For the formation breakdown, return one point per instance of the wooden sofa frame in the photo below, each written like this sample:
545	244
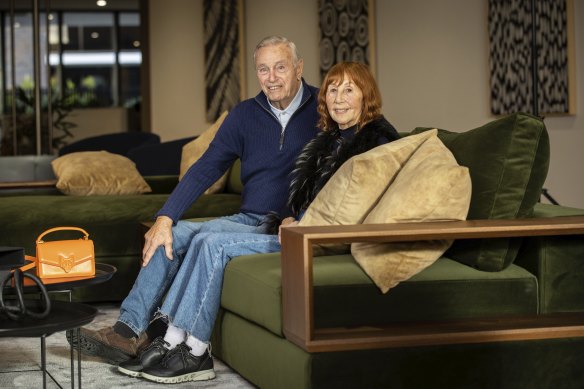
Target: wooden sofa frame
297	287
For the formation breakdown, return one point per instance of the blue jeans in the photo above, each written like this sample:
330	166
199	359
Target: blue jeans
192	281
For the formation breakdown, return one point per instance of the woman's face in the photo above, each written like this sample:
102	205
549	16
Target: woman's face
344	102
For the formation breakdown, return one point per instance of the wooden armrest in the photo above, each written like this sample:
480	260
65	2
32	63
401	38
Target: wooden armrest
297	286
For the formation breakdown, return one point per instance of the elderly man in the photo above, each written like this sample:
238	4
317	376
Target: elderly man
181	279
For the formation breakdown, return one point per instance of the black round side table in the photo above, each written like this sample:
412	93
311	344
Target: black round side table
64	316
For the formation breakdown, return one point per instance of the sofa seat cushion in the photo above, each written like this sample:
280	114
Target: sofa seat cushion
111	221
345	296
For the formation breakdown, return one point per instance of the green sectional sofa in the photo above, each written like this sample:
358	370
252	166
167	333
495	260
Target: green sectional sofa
491	313
463	322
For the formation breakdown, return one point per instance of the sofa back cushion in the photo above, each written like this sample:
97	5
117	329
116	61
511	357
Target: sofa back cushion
508	160
160	159
92	173
26	168
192	151
116	143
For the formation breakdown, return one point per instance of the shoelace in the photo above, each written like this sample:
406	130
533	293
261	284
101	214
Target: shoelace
159	341
181	349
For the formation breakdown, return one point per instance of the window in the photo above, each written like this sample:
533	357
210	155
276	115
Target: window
95	57
129	58
94	60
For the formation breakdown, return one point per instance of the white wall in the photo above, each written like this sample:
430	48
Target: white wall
567	133
177	68
296	20
432	69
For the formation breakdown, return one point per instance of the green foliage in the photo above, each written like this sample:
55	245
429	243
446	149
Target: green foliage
25	123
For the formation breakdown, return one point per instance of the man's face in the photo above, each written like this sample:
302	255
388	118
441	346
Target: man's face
277	75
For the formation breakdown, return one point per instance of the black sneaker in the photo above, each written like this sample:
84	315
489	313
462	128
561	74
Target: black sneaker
179	365
150	356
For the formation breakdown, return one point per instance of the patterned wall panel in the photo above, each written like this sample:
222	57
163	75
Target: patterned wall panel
223	53
510	37
345	32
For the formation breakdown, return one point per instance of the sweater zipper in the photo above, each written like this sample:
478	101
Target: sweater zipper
269	111
291	117
282	137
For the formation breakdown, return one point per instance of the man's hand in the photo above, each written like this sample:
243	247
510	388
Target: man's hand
289	221
160	234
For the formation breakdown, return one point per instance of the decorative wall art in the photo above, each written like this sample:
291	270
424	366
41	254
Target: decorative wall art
346	33
510	37
224	59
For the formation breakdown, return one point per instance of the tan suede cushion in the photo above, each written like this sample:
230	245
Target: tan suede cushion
430	187
356	187
192	151
89	173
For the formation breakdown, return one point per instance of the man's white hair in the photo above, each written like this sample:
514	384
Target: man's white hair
276	40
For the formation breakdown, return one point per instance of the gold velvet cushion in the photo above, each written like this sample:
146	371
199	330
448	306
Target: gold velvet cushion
89	173
430	187
355	188
192	151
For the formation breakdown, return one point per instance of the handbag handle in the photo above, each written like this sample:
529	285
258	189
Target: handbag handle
39	239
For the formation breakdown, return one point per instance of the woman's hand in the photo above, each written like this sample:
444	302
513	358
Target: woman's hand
289	221
160	234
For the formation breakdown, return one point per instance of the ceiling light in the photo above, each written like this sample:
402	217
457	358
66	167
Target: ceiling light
136	43
101	3
95	35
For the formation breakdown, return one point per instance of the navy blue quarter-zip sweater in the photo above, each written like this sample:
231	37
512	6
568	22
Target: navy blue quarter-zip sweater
253	134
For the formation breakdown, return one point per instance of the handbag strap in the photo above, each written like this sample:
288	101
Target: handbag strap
39	239
31	263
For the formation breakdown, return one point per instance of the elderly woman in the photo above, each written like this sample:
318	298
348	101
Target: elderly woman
349	105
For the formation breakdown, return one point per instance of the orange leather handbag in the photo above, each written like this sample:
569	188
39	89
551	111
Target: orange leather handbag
64	258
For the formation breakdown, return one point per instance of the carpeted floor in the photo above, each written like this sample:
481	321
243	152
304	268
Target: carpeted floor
18	356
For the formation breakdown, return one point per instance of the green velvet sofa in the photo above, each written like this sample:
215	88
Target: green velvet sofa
453	323
491	313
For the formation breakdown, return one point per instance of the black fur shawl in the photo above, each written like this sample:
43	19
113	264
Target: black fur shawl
321	158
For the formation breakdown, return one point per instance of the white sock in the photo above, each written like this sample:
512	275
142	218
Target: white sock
174	336
198	348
